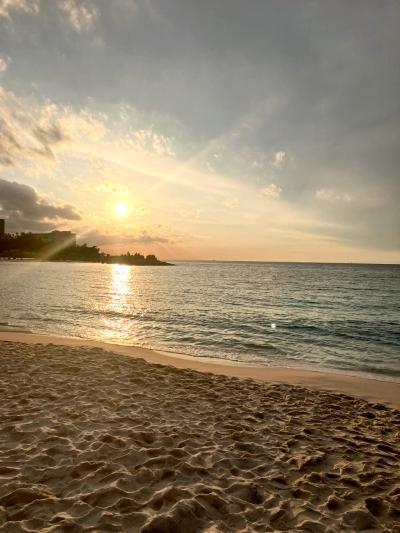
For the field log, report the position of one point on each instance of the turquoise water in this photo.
(319, 316)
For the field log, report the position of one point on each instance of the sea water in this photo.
(319, 316)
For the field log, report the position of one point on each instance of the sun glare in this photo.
(121, 210)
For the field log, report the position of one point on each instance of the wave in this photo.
(325, 316)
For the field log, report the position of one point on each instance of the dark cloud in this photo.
(25, 210)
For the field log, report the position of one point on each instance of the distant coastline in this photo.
(114, 261)
(61, 246)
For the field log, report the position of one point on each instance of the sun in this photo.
(121, 210)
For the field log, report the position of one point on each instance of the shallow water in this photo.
(319, 316)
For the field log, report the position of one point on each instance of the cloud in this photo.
(249, 84)
(25, 133)
(150, 140)
(332, 196)
(147, 238)
(231, 202)
(4, 62)
(96, 237)
(109, 186)
(25, 210)
(29, 131)
(262, 160)
(279, 159)
(271, 191)
(82, 14)
(26, 6)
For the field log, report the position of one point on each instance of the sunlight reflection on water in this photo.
(344, 317)
(121, 294)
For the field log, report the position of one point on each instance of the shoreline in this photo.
(369, 388)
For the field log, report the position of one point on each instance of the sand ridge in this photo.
(96, 441)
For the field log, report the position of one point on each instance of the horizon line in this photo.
(280, 262)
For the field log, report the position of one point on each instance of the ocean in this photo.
(331, 317)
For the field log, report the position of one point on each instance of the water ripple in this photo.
(337, 317)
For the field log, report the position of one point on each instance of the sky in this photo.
(226, 130)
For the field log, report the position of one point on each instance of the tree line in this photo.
(32, 246)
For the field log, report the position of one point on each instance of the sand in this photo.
(374, 390)
(93, 440)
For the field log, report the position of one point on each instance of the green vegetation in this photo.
(33, 246)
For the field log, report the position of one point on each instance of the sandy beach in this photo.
(105, 438)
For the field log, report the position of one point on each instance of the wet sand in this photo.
(93, 440)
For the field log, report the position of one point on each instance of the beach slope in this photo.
(372, 389)
(96, 441)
